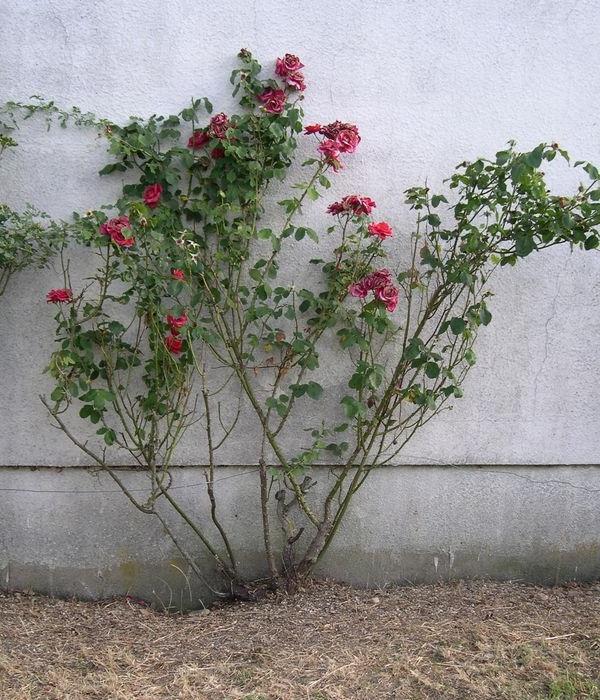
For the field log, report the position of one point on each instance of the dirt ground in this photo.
(328, 642)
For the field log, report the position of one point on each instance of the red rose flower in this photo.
(312, 129)
(217, 152)
(114, 228)
(388, 295)
(218, 126)
(178, 274)
(173, 344)
(176, 323)
(59, 296)
(198, 139)
(348, 140)
(152, 195)
(288, 64)
(381, 230)
(273, 100)
(329, 149)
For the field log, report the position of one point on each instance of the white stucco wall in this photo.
(428, 83)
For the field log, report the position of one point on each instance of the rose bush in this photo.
(188, 300)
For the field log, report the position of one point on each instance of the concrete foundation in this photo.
(71, 532)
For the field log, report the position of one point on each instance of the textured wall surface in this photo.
(429, 84)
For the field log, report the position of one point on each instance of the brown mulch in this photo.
(469, 640)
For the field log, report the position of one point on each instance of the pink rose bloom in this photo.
(358, 290)
(114, 228)
(173, 344)
(152, 195)
(329, 149)
(218, 126)
(348, 140)
(288, 64)
(381, 230)
(295, 81)
(178, 274)
(273, 100)
(388, 295)
(312, 129)
(198, 139)
(176, 323)
(59, 296)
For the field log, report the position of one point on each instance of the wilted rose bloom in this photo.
(381, 230)
(336, 208)
(388, 295)
(360, 206)
(358, 290)
(312, 129)
(173, 344)
(288, 64)
(352, 204)
(218, 126)
(59, 296)
(198, 139)
(329, 148)
(114, 228)
(273, 100)
(178, 274)
(295, 81)
(378, 278)
(331, 131)
(176, 323)
(152, 195)
(217, 152)
(348, 140)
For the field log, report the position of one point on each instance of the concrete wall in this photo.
(409, 524)
(429, 84)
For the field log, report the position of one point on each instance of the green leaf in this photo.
(352, 407)
(57, 394)
(313, 194)
(432, 370)
(314, 390)
(457, 325)
(470, 357)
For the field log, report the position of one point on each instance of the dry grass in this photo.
(464, 640)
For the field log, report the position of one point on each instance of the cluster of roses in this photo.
(288, 69)
(340, 137)
(216, 129)
(173, 342)
(380, 283)
(355, 205)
